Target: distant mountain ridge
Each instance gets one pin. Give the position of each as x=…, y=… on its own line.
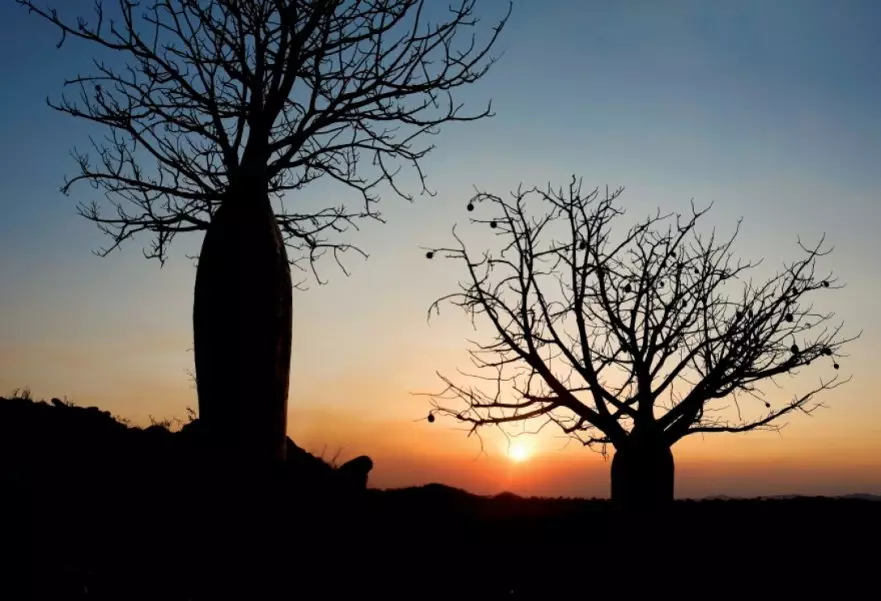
x=435, y=488
x=849, y=497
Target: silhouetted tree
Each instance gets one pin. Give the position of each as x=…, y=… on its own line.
x=217, y=108
x=631, y=338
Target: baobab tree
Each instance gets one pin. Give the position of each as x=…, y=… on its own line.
x=634, y=338
x=217, y=111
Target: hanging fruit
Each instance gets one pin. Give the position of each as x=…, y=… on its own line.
x=470, y=206
x=431, y=418
x=429, y=255
x=835, y=366
x=794, y=349
x=825, y=284
x=582, y=245
x=492, y=224
x=628, y=288
x=767, y=405
x=789, y=317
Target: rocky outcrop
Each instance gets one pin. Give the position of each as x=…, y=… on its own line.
x=61, y=436
x=356, y=472
x=98, y=501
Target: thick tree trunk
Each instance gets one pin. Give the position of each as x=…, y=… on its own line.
x=642, y=475
x=242, y=319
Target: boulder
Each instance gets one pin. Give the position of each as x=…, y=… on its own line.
x=355, y=472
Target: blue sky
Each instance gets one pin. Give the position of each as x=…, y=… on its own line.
x=767, y=109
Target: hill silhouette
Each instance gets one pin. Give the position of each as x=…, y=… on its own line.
x=98, y=509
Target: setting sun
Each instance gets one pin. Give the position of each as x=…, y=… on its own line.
x=518, y=451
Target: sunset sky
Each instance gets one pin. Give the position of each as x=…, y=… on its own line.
x=768, y=109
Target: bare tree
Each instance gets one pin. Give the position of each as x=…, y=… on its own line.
x=302, y=88
x=215, y=108
x=635, y=340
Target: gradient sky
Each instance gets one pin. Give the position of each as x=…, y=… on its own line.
x=767, y=109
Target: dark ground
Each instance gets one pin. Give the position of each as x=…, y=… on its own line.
x=97, y=510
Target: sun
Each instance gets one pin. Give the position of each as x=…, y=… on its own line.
x=518, y=452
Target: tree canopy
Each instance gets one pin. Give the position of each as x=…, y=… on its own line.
x=604, y=330
x=196, y=94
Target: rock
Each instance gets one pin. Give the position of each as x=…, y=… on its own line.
x=356, y=471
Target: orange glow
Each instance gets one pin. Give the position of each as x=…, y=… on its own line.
x=350, y=399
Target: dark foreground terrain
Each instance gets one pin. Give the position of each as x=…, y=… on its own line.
x=94, y=509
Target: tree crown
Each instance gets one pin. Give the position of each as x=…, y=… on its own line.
x=277, y=92
x=657, y=330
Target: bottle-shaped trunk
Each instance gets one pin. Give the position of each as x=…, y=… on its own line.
x=242, y=319
x=643, y=474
